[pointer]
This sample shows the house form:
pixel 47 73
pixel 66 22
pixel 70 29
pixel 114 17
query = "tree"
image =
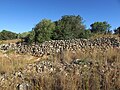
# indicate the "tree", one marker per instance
pixel 117 31
pixel 30 38
pixel 100 27
pixel 69 27
pixel 42 32
pixel 7 35
pixel 23 35
pixel 86 34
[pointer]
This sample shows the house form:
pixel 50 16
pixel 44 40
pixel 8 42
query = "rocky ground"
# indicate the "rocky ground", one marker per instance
pixel 94 67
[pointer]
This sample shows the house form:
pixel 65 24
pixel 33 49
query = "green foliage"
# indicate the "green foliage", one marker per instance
pixel 69 27
pixel 23 35
pixel 42 32
pixel 117 31
pixel 100 27
pixel 7 35
pixel 30 38
pixel 85 34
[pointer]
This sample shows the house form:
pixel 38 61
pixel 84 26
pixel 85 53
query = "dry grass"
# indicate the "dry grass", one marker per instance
pixel 104 74
pixel 9 41
pixel 103 35
pixel 11 61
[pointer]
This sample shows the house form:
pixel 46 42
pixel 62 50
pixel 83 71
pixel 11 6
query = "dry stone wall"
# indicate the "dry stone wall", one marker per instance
pixel 56 46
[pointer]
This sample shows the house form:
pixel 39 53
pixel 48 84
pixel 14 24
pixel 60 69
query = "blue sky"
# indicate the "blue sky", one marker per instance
pixel 22 15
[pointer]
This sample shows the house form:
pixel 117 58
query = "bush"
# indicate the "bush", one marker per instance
pixel 7 35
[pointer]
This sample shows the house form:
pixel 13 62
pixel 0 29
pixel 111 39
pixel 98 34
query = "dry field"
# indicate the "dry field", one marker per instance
pixel 9 41
pixel 102 74
pixel 11 61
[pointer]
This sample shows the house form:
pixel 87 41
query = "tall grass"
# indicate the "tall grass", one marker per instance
pixel 11 61
pixel 103 74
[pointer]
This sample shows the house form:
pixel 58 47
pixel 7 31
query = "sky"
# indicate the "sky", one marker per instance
pixel 22 15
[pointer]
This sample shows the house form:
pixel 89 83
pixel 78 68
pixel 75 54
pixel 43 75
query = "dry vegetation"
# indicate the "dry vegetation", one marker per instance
pixel 11 61
pixel 103 74
pixel 9 41
pixel 103 35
